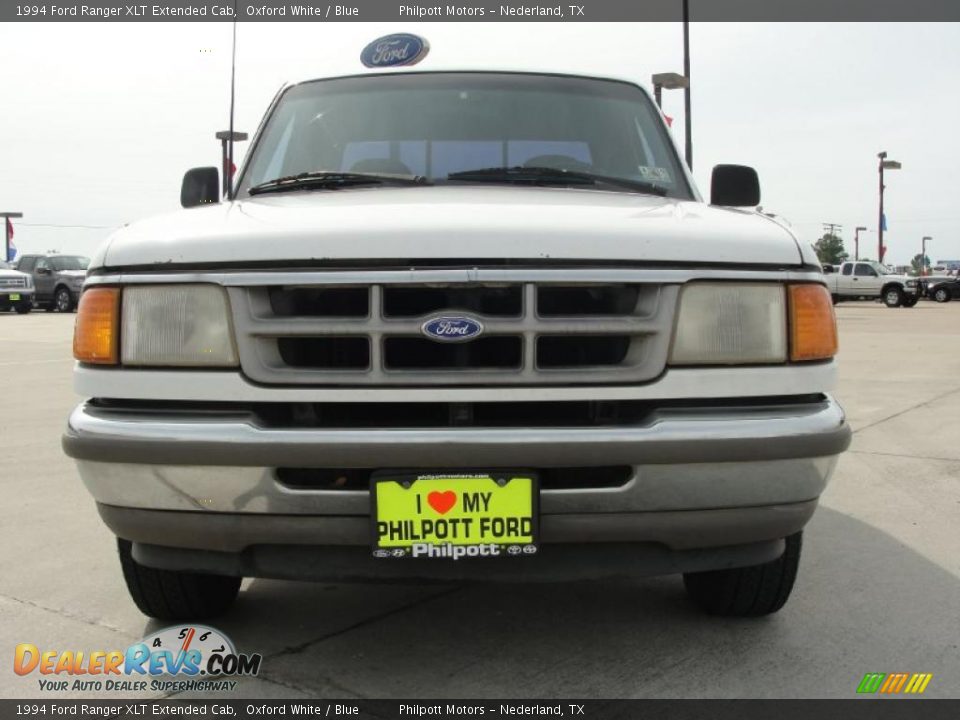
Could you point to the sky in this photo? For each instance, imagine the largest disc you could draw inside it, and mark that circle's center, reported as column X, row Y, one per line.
column 99, row 121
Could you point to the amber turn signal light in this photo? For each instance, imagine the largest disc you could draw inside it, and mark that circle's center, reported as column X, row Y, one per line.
column 97, row 332
column 813, row 324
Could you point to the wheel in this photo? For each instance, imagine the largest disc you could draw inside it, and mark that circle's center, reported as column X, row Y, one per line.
column 175, row 595
column 750, row 591
column 941, row 295
column 835, row 298
column 63, row 300
column 892, row 297
column 23, row 308
column 911, row 301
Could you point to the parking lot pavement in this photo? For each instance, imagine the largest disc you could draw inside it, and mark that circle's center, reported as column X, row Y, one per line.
column 878, row 591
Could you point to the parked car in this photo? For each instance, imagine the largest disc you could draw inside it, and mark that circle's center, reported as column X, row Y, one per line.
column 16, row 290
column 491, row 332
column 942, row 289
column 58, row 279
column 870, row 279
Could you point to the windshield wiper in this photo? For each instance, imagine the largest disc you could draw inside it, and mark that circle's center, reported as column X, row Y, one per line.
column 553, row 176
column 330, row 180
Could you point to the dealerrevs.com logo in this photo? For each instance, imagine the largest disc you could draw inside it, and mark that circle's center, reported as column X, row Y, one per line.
column 175, row 659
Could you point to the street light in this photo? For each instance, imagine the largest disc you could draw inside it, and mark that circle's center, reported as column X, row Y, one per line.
column 668, row 80
column 856, row 241
column 884, row 164
column 225, row 137
column 923, row 254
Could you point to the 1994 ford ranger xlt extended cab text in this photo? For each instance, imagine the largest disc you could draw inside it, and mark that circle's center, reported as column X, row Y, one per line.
column 457, row 325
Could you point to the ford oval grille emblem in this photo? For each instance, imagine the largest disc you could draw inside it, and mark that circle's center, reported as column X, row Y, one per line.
column 395, row 50
column 452, row 328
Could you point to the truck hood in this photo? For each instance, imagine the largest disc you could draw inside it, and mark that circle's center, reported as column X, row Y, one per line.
column 456, row 223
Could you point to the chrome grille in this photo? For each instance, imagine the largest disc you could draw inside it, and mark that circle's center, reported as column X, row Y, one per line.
column 535, row 332
column 15, row 282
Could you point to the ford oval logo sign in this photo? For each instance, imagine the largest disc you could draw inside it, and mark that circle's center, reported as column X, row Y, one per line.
column 452, row 328
column 394, row 51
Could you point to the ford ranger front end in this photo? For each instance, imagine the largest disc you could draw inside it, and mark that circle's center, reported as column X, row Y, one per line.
column 454, row 326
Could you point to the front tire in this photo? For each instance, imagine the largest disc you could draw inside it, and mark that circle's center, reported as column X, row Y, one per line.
column 23, row 308
column 63, row 300
column 751, row 591
column 911, row 301
column 941, row 295
column 175, row 595
column 892, row 297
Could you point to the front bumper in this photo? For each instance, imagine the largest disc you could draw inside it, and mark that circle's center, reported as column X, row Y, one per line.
column 22, row 296
column 702, row 478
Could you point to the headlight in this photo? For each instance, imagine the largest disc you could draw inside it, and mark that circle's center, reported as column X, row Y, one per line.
column 728, row 323
column 185, row 325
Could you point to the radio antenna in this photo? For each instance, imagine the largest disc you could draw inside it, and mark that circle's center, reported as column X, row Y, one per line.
column 233, row 84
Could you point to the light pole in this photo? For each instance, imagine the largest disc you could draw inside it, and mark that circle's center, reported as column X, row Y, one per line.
column 6, row 232
column 688, row 122
column 884, row 164
column 668, row 80
column 226, row 162
column 856, row 241
column 923, row 254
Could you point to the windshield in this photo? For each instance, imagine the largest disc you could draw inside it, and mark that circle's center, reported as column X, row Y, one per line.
column 435, row 125
column 69, row 262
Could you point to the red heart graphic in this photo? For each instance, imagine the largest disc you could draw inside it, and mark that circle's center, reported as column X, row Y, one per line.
column 442, row 501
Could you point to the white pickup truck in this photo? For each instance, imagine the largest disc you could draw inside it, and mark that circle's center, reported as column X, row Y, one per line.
column 457, row 325
column 871, row 280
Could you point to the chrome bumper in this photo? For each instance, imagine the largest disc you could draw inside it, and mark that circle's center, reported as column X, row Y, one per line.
column 702, row 477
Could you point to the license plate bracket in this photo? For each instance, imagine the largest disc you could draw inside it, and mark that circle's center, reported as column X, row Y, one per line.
column 454, row 515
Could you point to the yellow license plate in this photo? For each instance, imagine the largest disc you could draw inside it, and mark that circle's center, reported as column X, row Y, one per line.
column 14, row 297
column 454, row 516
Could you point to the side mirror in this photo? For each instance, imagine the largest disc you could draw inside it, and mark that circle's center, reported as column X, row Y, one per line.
column 201, row 186
column 44, row 271
column 734, row 186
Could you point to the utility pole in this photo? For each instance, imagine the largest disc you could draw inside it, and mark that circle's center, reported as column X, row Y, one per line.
column 832, row 229
column 6, row 231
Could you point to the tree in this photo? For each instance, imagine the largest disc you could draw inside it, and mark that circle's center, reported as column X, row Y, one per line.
column 915, row 263
column 830, row 250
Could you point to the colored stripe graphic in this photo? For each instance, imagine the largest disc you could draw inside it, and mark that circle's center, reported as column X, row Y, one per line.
column 871, row 682
column 894, row 683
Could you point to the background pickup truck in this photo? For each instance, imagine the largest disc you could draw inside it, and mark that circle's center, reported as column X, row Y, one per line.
column 869, row 279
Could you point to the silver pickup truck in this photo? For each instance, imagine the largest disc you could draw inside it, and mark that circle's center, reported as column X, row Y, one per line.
column 871, row 280
column 457, row 325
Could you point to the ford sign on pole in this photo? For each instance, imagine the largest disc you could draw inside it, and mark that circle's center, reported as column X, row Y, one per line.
column 395, row 50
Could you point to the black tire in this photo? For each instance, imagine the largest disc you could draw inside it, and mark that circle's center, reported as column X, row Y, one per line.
column 909, row 302
column 63, row 300
column 751, row 591
column 941, row 295
column 892, row 297
column 174, row 595
column 835, row 298
column 23, row 308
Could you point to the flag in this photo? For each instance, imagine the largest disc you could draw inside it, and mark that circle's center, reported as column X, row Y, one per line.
column 11, row 248
column 669, row 120
column 883, row 222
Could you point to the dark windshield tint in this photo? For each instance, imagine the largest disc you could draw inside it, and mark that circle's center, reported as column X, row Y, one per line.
column 436, row 124
column 69, row 262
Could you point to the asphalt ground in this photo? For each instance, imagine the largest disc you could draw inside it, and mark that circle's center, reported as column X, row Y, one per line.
column 878, row 590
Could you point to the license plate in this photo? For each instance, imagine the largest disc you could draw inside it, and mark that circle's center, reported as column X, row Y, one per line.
column 14, row 297
column 454, row 516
